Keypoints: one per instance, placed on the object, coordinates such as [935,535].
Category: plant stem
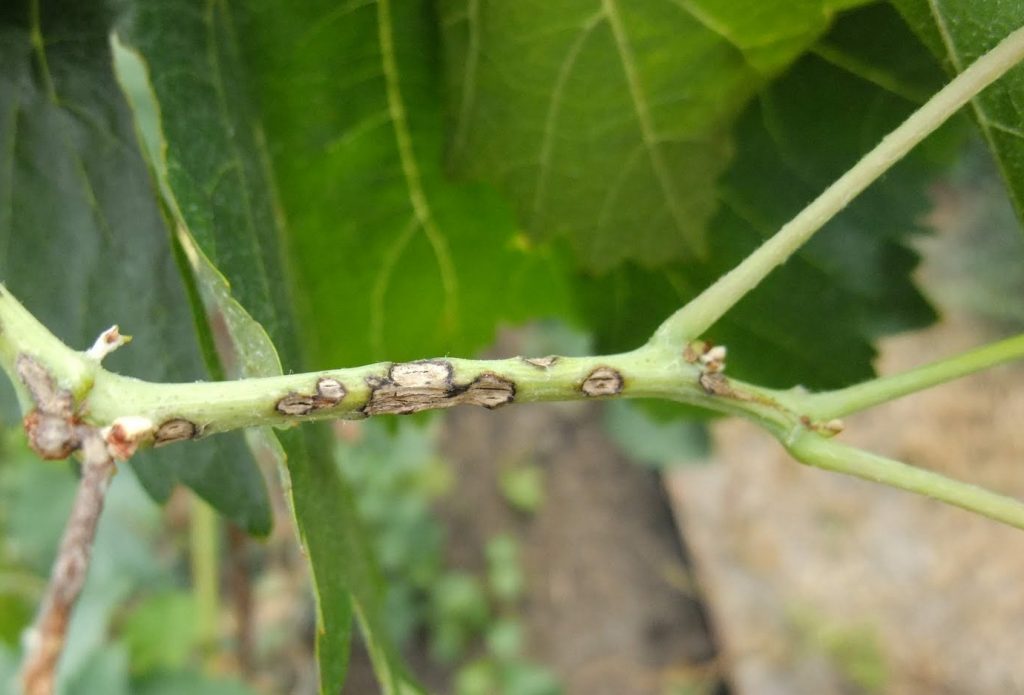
[832,404]
[47,635]
[22,334]
[829,454]
[697,316]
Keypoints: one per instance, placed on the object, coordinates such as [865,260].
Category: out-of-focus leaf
[394,261]
[219,192]
[608,122]
[161,632]
[657,444]
[812,321]
[83,242]
[191,683]
[106,672]
[960,31]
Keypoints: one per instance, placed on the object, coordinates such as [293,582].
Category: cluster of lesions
[407,387]
[710,358]
[410,387]
[600,381]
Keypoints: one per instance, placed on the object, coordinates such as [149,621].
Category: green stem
[21,333]
[833,404]
[203,532]
[833,456]
[697,316]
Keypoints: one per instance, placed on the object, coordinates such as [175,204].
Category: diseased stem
[832,404]
[47,635]
[831,455]
[697,316]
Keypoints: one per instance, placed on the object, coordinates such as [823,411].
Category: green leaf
[608,122]
[960,31]
[161,632]
[84,243]
[188,682]
[106,672]
[218,190]
[395,262]
[654,443]
[813,320]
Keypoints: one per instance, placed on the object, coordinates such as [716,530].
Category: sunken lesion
[541,362]
[411,387]
[602,381]
[175,430]
[327,392]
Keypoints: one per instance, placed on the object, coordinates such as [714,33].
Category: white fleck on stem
[109,340]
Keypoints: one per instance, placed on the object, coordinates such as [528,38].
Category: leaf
[608,122]
[188,682]
[84,243]
[395,262]
[960,31]
[219,193]
[812,321]
[161,632]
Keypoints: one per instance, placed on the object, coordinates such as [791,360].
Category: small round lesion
[489,391]
[175,430]
[330,390]
[296,404]
[603,381]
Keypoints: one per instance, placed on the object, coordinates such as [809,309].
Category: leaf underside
[960,31]
[85,245]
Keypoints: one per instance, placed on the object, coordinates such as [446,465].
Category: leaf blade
[88,245]
[609,126]
[958,33]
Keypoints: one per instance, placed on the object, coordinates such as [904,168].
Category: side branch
[853,399]
[696,317]
[46,637]
[831,455]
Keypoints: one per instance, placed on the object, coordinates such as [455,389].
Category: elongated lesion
[411,387]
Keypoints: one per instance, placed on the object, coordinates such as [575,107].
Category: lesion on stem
[55,431]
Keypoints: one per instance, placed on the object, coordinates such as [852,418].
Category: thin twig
[46,637]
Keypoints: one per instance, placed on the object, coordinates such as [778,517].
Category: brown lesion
[541,362]
[603,381]
[175,430]
[52,426]
[327,392]
[411,387]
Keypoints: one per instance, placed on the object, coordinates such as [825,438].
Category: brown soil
[609,605]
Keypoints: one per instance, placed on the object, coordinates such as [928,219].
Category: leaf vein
[643,117]
[469,78]
[383,280]
[410,169]
[554,106]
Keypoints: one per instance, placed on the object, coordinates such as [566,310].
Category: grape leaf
[394,261]
[608,122]
[219,191]
[812,321]
[83,242]
[960,31]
